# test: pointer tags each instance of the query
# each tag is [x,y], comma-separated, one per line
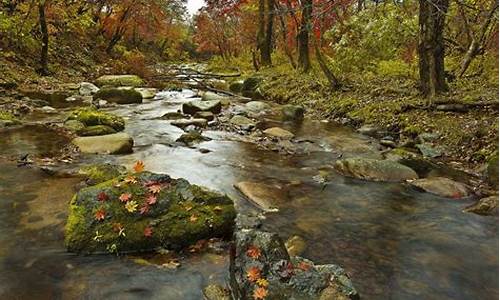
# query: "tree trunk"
[304,61]
[431,47]
[287,50]
[332,79]
[264,35]
[44,56]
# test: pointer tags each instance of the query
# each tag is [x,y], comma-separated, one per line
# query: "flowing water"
[394,241]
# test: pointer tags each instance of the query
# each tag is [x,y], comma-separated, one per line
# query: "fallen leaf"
[155,189]
[253,274]
[193,218]
[144,209]
[102,196]
[253,252]
[131,206]
[259,293]
[139,166]
[125,197]
[148,231]
[217,208]
[262,282]
[130,180]
[151,199]
[100,214]
[304,266]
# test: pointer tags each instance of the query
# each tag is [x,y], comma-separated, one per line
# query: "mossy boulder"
[236,86]
[374,169]
[156,211]
[99,173]
[93,117]
[119,95]
[492,170]
[119,80]
[192,137]
[8,119]
[292,112]
[96,130]
[250,87]
[192,107]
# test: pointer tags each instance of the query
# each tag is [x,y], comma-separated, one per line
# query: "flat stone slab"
[266,197]
[183,123]
[443,187]
[278,132]
[374,170]
[118,143]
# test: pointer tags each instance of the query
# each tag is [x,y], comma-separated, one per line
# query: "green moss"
[9,117]
[93,117]
[96,130]
[99,173]
[120,80]
[182,215]
[119,95]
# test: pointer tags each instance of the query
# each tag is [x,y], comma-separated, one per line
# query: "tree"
[304,62]
[431,49]
[265,33]
[44,54]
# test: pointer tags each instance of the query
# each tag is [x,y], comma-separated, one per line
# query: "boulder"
[236,86]
[492,170]
[147,93]
[119,95]
[279,133]
[429,150]
[256,106]
[443,187]
[211,96]
[266,197]
[173,116]
[242,122]
[250,87]
[96,130]
[292,112]
[93,117]
[192,107]
[374,170]
[192,137]
[144,211]
[74,125]
[398,154]
[260,268]
[118,143]
[183,123]
[216,292]
[204,115]
[352,146]
[48,110]
[486,207]
[370,130]
[99,173]
[8,119]
[88,89]
[119,80]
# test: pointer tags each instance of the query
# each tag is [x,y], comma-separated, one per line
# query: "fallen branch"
[452,106]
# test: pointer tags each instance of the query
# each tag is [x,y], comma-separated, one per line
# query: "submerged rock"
[119,95]
[118,143]
[279,133]
[374,169]
[266,197]
[292,112]
[93,117]
[260,265]
[192,107]
[443,187]
[120,80]
[486,207]
[143,212]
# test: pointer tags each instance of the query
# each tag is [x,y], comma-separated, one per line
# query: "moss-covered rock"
[250,87]
[8,119]
[99,173]
[492,170]
[143,211]
[120,80]
[117,143]
[119,95]
[96,130]
[236,86]
[93,117]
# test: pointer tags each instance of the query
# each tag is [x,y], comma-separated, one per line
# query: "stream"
[394,241]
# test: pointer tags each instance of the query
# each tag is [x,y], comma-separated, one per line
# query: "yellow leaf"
[131,206]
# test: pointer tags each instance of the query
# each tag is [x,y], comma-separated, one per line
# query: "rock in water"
[192,107]
[242,122]
[264,196]
[120,80]
[256,106]
[147,93]
[119,95]
[279,133]
[443,187]
[492,171]
[486,207]
[96,130]
[261,265]
[183,123]
[93,117]
[250,87]
[374,169]
[236,86]
[192,137]
[88,89]
[292,112]
[118,143]
[143,211]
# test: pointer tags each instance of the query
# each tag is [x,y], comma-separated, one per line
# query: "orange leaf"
[253,252]
[151,199]
[148,231]
[130,180]
[139,166]
[304,266]
[102,197]
[155,189]
[259,293]
[100,214]
[125,197]
[253,274]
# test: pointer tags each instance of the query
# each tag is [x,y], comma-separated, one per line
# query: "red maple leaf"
[144,209]
[102,196]
[155,188]
[100,214]
[125,197]
[253,274]
[304,266]
[148,231]
[253,252]
[139,166]
[151,199]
